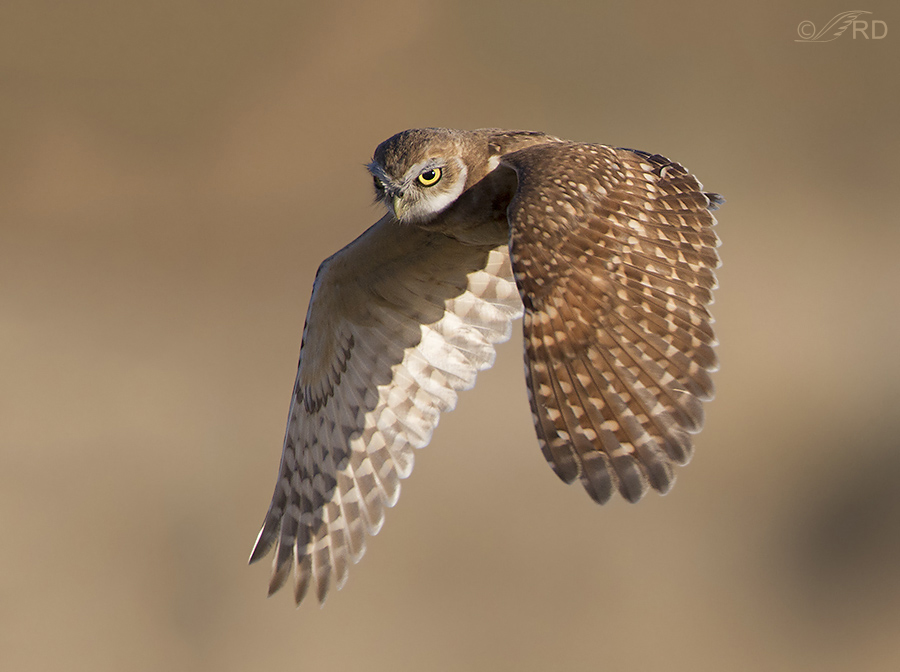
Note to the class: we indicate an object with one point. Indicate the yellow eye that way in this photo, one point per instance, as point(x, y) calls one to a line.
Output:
point(430, 177)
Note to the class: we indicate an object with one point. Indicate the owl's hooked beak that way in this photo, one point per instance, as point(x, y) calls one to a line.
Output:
point(398, 207)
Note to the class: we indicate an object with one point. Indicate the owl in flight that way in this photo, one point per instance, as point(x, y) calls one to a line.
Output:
point(608, 253)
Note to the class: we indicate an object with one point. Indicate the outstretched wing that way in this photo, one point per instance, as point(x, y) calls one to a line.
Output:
point(399, 321)
point(613, 251)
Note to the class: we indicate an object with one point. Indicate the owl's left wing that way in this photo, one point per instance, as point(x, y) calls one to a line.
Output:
point(614, 253)
point(399, 321)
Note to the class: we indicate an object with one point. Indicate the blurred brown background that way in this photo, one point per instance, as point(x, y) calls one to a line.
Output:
point(172, 173)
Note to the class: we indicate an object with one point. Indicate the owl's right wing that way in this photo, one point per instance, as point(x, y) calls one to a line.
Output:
point(399, 321)
point(614, 253)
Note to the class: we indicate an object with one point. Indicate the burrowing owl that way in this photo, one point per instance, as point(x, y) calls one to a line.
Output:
point(609, 251)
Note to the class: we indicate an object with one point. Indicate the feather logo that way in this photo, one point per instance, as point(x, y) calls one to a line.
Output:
point(834, 28)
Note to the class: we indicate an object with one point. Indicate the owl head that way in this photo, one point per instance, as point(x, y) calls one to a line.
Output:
point(419, 173)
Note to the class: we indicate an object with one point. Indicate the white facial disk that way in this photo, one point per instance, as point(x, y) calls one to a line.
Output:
point(426, 189)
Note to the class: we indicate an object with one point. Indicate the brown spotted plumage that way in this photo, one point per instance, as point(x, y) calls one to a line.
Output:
point(612, 252)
